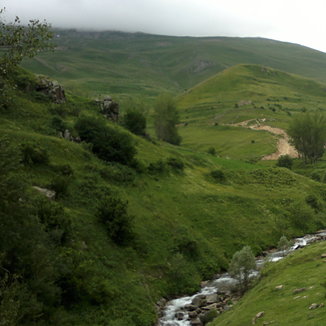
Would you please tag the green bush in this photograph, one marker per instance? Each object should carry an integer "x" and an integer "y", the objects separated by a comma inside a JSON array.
[
  {"x": 65, "y": 170},
  {"x": 313, "y": 202},
  {"x": 218, "y": 175},
  {"x": 118, "y": 173},
  {"x": 175, "y": 163},
  {"x": 32, "y": 154},
  {"x": 157, "y": 167},
  {"x": 60, "y": 186},
  {"x": 58, "y": 124},
  {"x": 108, "y": 143},
  {"x": 285, "y": 161},
  {"x": 135, "y": 122},
  {"x": 211, "y": 151},
  {"x": 112, "y": 213}
]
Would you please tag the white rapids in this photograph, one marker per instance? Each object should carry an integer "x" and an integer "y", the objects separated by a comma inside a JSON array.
[{"x": 225, "y": 282}]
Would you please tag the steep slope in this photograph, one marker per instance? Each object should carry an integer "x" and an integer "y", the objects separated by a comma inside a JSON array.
[
  {"x": 215, "y": 110},
  {"x": 286, "y": 293},
  {"x": 187, "y": 221},
  {"x": 140, "y": 64}
]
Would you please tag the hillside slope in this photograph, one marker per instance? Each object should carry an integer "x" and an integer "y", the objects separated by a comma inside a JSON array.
[
  {"x": 212, "y": 109},
  {"x": 186, "y": 222},
  {"x": 302, "y": 280},
  {"x": 120, "y": 64}
]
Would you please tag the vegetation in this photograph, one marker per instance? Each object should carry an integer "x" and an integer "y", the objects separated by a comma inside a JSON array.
[
  {"x": 283, "y": 244},
  {"x": 242, "y": 264},
  {"x": 308, "y": 133},
  {"x": 305, "y": 270},
  {"x": 165, "y": 120},
  {"x": 107, "y": 143},
  {"x": 285, "y": 161}
]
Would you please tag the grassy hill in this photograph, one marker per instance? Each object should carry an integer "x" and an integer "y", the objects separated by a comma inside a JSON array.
[
  {"x": 241, "y": 93},
  {"x": 129, "y": 64},
  {"x": 187, "y": 222},
  {"x": 302, "y": 270}
]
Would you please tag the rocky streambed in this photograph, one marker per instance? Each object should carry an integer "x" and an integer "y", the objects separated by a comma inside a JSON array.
[{"x": 216, "y": 296}]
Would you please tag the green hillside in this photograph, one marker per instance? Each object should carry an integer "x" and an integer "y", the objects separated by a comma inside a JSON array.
[
  {"x": 303, "y": 270},
  {"x": 186, "y": 222},
  {"x": 240, "y": 93},
  {"x": 126, "y": 64}
]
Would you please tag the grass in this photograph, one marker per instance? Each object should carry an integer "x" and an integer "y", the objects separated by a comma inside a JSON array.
[
  {"x": 171, "y": 209},
  {"x": 135, "y": 64},
  {"x": 302, "y": 269}
]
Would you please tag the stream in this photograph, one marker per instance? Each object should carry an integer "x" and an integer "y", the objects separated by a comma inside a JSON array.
[{"x": 216, "y": 294}]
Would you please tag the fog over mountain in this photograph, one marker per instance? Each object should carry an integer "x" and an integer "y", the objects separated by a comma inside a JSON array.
[{"x": 296, "y": 21}]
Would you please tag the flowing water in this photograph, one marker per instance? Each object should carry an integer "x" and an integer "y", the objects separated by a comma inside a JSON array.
[{"x": 175, "y": 314}]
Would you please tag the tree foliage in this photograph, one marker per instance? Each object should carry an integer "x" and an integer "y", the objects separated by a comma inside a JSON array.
[
  {"x": 285, "y": 161},
  {"x": 283, "y": 244},
  {"x": 308, "y": 135},
  {"x": 242, "y": 263},
  {"x": 108, "y": 143},
  {"x": 18, "y": 41},
  {"x": 165, "y": 119}
]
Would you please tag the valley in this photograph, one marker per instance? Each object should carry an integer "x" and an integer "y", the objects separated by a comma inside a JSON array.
[{"x": 134, "y": 219}]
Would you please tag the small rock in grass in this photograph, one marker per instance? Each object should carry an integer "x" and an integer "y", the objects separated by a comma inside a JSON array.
[
  {"x": 259, "y": 315},
  {"x": 299, "y": 290},
  {"x": 279, "y": 287}
]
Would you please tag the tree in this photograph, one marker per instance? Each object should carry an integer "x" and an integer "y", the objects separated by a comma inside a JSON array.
[
  {"x": 18, "y": 41},
  {"x": 283, "y": 244},
  {"x": 285, "y": 161},
  {"x": 308, "y": 135},
  {"x": 242, "y": 263},
  {"x": 165, "y": 120},
  {"x": 135, "y": 122}
]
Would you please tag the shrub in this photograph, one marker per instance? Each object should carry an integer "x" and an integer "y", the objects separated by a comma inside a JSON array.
[
  {"x": 175, "y": 163},
  {"x": 283, "y": 244},
  {"x": 112, "y": 213},
  {"x": 118, "y": 173},
  {"x": 211, "y": 151},
  {"x": 188, "y": 248},
  {"x": 218, "y": 175},
  {"x": 135, "y": 122},
  {"x": 32, "y": 154},
  {"x": 60, "y": 186},
  {"x": 58, "y": 124},
  {"x": 285, "y": 161},
  {"x": 65, "y": 170},
  {"x": 313, "y": 202},
  {"x": 108, "y": 143},
  {"x": 157, "y": 167}
]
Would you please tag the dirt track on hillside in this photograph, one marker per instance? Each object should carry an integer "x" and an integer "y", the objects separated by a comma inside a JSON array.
[{"x": 283, "y": 145}]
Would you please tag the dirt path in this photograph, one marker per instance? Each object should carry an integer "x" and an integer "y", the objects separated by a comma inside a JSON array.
[{"x": 283, "y": 145}]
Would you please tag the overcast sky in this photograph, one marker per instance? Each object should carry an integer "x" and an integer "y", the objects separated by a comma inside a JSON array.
[{"x": 296, "y": 21}]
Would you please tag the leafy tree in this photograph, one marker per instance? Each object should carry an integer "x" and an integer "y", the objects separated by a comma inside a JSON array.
[
  {"x": 108, "y": 143},
  {"x": 165, "y": 120},
  {"x": 285, "y": 161},
  {"x": 18, "y": 41},
  {"x": 242, "y": 263},
  {"x": 135, "y": 122},
  {"x": 283, "y": 244},
  {"x": 308, "y": 134},
  {"x": 113, "y": 214}
]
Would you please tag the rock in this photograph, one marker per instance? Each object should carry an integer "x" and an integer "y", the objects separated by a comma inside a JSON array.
[
  {"x": 258, "y": 315},
  {"x": 210, "y": 307},
  {"x": 47, "y": 192},
  {"x": 211, "y": 298},
  {"x": 203, "y": 283},
  {"x": 196, "y": 322},
  {"x": 296, "y": 291},
  {"x": 51, "y": 88},
  {"x": 279, "y": 287},
  {"x": 199, "y": 300},
  {"x": 190, "y": 307},
  {"x": 316, "y": 305},
  {"x": 67, "y": 135},
  {"x": 179, "y": 315},
  {"x": 323, "y": 256},
  {"x": 193, "y": 314},
  {"x": 110, "y": 109}
]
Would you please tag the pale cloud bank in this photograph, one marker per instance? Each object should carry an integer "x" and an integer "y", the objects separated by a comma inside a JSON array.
[{"x": 287, "y": 20}]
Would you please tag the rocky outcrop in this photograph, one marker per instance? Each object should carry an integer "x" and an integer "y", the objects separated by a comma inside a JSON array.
[
  {"x": 110, "y": 109},
  {"x": 51, "y": 88},
  {"x": 46, "y": 192}
]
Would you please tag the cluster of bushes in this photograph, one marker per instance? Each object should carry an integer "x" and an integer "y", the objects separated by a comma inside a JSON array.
[
  {"x": 108, "y": 143},
  {"x": 160, "y": 166}
]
